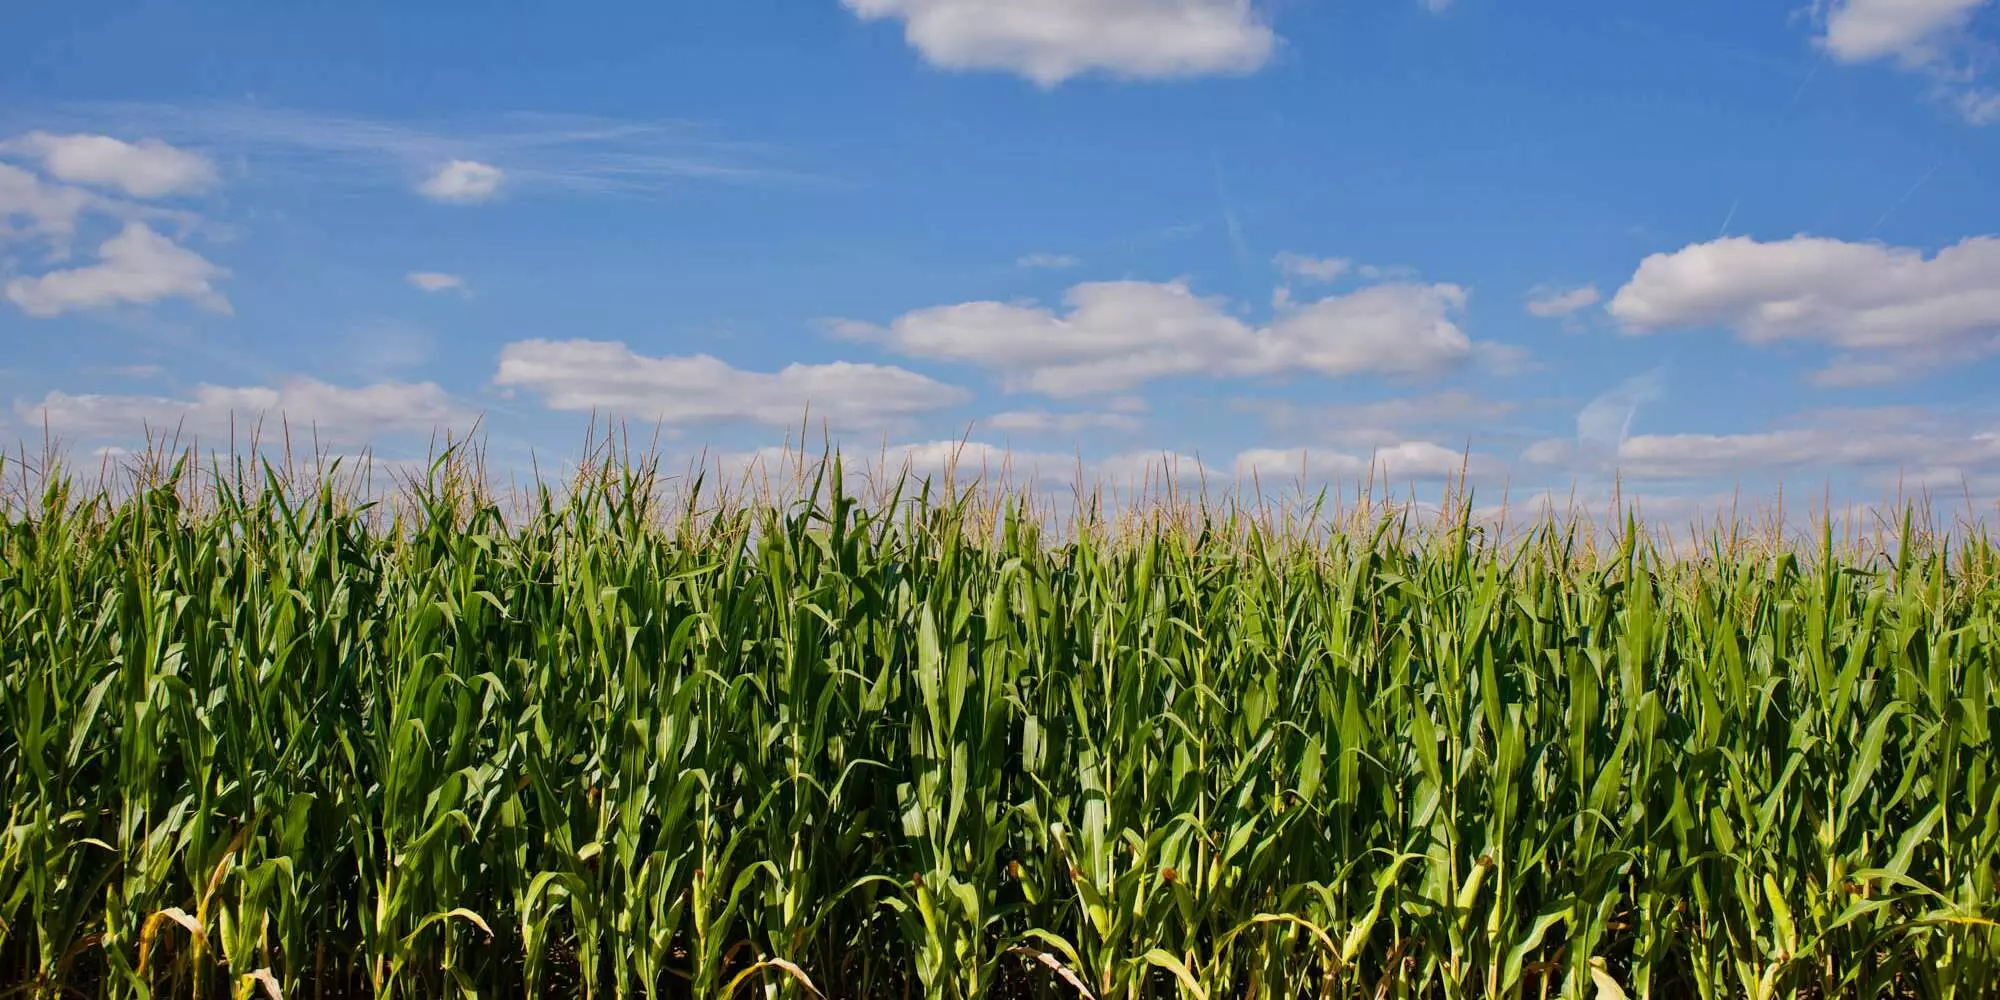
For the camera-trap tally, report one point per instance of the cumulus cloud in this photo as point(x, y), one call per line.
point(137, 266)
point(609, 376)
point(1382, 421)
point(335, 413)
point(1119, 334)
point(1407, 461)
point(1925, 36)
point(436, 281)
point(962, 462)
point(1880, 304)
point(1885, 445)
point(148, 168)
point(1049, 41)
point(1913, 32)
point(462, 182)
point(1554, 303)
point(1300, 267)
point(31, 207)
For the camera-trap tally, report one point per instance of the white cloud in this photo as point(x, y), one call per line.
point(148, 168)
point(1382, 421)
point(1550, 303)
point(1049, 41)
point(973, 459)
point(462, 182)
point(1913, 32)
point(1299, 267)
point(1670, 456)
point(962, 462)
point(1883, 444)
point(1393, 464)
point(609, 376)
point(1435, 6)
point(1119, 334)
point(334, 413)
point(1143, 469)
point(49, 210)
point(436, 281)
point(1046, 422)
point(1877, 302)
point(1980, 106)
point(136, 266)
point(1930, 37)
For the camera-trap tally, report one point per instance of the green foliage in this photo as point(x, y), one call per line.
point(258, 740)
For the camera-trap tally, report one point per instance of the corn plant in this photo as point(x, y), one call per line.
point(265, 734)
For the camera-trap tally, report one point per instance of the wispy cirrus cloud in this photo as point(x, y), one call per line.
point(579, 153)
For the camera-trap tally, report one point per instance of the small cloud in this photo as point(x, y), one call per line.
point(1554, 303)
point(1303, 268)
point(1979, 106)
point(437, 281)
point(1050, 261)
point(1435, 6)
point(1049, 41)
point(148, 168)
point(1914, 34)
point(462, 182)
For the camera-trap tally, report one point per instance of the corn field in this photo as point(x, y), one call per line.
point(616, 741)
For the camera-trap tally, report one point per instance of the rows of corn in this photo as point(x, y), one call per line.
point(260, 741)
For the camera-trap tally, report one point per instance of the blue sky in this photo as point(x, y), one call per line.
point(1697, 246)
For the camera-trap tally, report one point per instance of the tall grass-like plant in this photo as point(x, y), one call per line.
point(264, 735)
